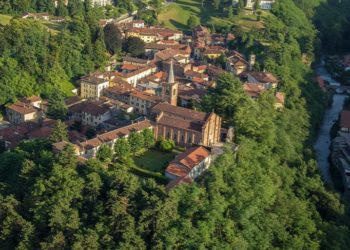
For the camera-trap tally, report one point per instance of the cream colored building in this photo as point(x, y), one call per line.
point(91, 87)
point(21, 112)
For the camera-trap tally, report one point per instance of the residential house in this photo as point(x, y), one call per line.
point(132, 77)
point(90, 113)
point(135, 61)
point(153, 34)
point(190, 165)
point(254, 90)
point(268, 79)
point(237, 64)
point(91, 87)
point(23, 111)
point(280, 100)
point(186, 126)
point(89, 148)
point(43, 16)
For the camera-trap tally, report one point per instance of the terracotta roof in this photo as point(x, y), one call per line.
point(345, 119)
point(192, 93)
point(92, 80)
point(145, 96)
point(182, 112)
point(180, 123)
point(114, 134)
point(93, 108)
point(214, 71)
point(22, 108)
point(135, 72)
point(192, 73)
point(280, 97)
point(72, 100)
point(192, 157)
point(253, 89)
point(186, 161)
point(120, 89)
point(43, 132)
point(129, 66)
point(264, 77)
point(170, 53)
point(134, 60)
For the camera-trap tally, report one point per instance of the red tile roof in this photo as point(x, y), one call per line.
point(22, 108)
point(186, 161)
point(181, 112)
point(264, 77)
point(114, 134)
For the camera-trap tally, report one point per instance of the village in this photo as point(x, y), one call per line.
point(156, 93)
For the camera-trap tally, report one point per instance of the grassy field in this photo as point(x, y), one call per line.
point(53, 27)
point(175, 15)
point(154, 161)
point(5, 19)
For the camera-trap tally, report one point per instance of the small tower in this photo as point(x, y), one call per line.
point(170, 90)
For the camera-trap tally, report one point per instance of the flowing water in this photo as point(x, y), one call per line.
point(322, 145)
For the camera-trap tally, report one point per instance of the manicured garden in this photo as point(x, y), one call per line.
point(154, 160)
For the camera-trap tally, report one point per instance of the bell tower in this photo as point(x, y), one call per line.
point(171, 88)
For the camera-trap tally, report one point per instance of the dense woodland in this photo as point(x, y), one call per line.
point(269, 195)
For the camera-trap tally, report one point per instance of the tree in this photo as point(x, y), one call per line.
point(16, 232)
point(90, 132)
point(148, 137)
point(113, 38)
point(135, 46)
point(57, 108)
point(230, 12)
point(59, 133)
point(136, 142)
point(165, 145)
point(240, 7)
point(193, 22)
point(216, 4)
point(122, 148)
point(61, 9)
point(104, 153)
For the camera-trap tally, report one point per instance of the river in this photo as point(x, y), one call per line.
point(324, 139)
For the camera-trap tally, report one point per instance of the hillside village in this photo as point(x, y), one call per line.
point(158, 93)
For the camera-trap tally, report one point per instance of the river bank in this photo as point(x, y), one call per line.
point(323, 142)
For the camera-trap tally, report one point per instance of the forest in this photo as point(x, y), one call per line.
point(268, 195)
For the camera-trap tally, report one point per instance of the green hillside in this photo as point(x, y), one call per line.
point(175, 15)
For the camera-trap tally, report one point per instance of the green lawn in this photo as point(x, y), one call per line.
point(54, 28)
point(175, 15)
point(5, 19)
point(154, 161)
